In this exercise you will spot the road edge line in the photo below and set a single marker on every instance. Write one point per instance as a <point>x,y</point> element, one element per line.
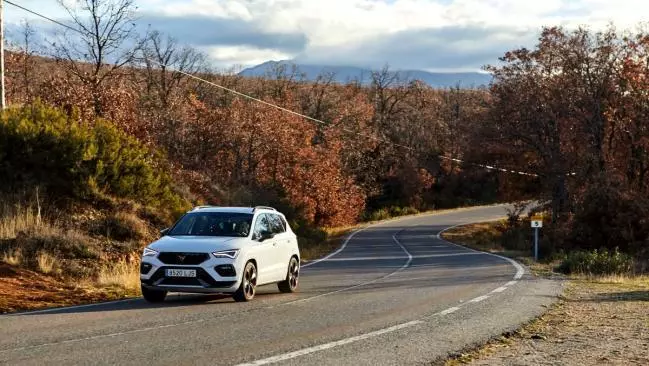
<point>406,217</point>
<point>520,268</point>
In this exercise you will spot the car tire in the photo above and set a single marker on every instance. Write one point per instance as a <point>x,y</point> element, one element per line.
<point>248,286</point>
<point>290,284</point>
<point>152,295</point>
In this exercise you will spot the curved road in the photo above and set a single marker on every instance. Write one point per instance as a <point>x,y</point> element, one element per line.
<point>394,294</point>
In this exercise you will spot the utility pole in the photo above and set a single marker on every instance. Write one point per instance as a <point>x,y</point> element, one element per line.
<point>537,223</point>
<point>2,57</point>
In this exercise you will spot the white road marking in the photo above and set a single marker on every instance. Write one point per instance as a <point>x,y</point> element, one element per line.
<point>322,347</point>
<point>479,298</point>
<point>403,218</point>
<point>450,310</point>
<point>520,271</point>
<point>342,247</point>
<point>404,266</point>
<point>286,356</point>
<point>349,259</point>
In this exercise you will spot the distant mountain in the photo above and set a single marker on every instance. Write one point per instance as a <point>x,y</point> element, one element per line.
<point>345,74</point>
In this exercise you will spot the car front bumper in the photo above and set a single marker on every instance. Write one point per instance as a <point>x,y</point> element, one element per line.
<point>207,280</point>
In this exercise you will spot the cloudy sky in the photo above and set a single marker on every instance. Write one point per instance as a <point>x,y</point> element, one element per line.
<point>433,35</point>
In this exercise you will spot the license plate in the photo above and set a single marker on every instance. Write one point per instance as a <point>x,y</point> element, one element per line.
<point>181,273</point>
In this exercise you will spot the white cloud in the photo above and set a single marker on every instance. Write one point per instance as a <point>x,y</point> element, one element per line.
<point>339,31</point>
<point>226,56</point>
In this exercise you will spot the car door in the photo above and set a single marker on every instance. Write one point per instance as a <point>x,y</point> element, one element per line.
<point>264,251</point>
<point>282,245</point>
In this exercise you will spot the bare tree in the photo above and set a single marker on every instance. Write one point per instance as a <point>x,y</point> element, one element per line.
<point>106,41</point>
<point>284,78</point>
<point>26,49</point>
<point>167,65</point>
<point>389,89</point>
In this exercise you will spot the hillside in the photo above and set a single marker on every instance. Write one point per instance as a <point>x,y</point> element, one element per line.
<point>343,74</point>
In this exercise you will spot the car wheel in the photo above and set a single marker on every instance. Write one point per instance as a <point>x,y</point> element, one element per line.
<point>292,277</point>
<point>151,295</point>
<point>248,285</point>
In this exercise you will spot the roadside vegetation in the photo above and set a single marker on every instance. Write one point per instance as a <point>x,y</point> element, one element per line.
<point>95,158</point>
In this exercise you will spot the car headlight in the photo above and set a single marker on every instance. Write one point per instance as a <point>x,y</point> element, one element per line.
<point>231,253</point>
<point>149,252</point>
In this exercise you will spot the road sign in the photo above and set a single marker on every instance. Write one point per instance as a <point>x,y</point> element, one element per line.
<point>537,223</point>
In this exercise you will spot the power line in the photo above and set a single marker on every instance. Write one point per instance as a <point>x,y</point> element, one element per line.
<point>192,76</point>
<point>44,17</point>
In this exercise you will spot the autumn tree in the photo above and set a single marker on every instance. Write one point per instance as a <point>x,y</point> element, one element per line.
<point>103,43</point>
<point>534,113</point>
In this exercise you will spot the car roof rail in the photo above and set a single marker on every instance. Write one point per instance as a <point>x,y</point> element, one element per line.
<point>263,208</point>
<point>203,206</point>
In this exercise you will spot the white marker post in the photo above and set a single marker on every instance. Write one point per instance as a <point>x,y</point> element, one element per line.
<point>537,223</point>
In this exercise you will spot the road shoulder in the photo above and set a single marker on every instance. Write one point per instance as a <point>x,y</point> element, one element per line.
<point>595,321</point>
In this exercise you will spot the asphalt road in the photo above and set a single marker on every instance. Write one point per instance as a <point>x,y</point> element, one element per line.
<point>395,294</point>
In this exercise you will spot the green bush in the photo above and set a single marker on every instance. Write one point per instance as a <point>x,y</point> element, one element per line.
<point>122,226</point>
<point>378,215</point>
<point>409,211</point>
<point>388,213</point>
<point>597,262</point>
<point>42,146</point>
<point>395,211</point>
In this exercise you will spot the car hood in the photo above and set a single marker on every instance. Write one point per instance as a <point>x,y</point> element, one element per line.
<point>200,244</point>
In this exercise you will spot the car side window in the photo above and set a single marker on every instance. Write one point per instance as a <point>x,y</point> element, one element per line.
<point>284,224</point>
<point>276,224</point>
<point>261,225</point>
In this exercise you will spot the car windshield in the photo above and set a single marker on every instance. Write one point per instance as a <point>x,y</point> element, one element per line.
<point>213,224</point>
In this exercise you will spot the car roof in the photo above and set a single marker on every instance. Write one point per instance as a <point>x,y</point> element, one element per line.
<point>248,210</point>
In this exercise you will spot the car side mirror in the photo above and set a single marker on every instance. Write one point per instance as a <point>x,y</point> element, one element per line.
<point>164,232</point>
<point>265,235</point>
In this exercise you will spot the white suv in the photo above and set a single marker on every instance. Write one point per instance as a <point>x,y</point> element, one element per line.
<point>222,250</point>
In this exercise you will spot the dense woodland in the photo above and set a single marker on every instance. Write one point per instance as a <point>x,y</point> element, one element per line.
<point>574,111</point>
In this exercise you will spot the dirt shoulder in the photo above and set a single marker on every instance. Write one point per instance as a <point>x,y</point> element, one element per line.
<point>597,321</point>
<point>22,289</point>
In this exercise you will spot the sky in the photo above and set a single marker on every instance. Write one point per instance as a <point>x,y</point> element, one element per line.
<point>431,35</point>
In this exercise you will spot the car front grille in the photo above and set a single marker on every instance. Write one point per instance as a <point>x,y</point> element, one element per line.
<point>181,281</point>
<point>190,259</point>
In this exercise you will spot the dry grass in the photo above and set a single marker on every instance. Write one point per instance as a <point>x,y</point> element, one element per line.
<point>17,220</point>
<point>46,262</point>
<point>120,274</point>
<point>13,257</point>
<point>22,289</point>
<point>480,236</point>
<point>594,323</point>
<point>641,281</point>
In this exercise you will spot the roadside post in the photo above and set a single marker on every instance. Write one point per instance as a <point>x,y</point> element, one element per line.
<point>537,223</point>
